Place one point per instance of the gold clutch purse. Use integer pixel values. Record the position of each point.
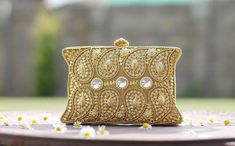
(122, 84)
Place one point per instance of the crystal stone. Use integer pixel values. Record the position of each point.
(122, 82)
(96, 83)
(146, 82)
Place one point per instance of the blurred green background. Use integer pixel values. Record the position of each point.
(59, 103)
(33, 32)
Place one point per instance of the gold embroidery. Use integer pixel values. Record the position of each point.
(159, 67)
(122, 84)
(121, 42)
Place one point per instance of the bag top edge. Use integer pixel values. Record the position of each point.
(84, 47)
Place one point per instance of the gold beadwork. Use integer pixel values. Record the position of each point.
(121, 42)
(122, 84)
(134, 64)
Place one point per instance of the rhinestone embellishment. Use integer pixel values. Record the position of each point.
(146, 82)
(96, 83)
(122, 82)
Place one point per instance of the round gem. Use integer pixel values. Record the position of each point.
(122, 82)
(146, 82)
(96, 83)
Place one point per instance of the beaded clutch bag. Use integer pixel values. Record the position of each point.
(122, 84)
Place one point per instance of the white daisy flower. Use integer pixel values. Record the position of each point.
(77, 124)
(102, 131)
(46, 117)
(146, 126)
(3, 120)
(20, 119)
(211, 119)
(227, 122)
(34, 120)
(188, 120)
(59, 128)
(87, 132)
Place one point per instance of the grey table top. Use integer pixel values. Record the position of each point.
(195, 133)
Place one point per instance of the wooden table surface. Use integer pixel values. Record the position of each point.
(125, 135)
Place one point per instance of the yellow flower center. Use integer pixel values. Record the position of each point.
(226, 122)
(45, 118)
(145, 125)
(20, 118)
(78, 125)
(102, 131)
(58, 129)
(2, 118)
(212, 120)
(87, 134)
(188, 120)
(34, 121)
